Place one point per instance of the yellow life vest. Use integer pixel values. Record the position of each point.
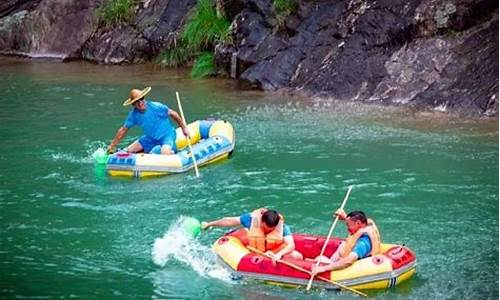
(261, 241)
(374, 235)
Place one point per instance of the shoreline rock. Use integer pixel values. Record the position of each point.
(437, 55)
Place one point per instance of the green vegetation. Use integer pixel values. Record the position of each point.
(285, 7)
(116, 12)
(203, 31)
(206, 28)
(175, 57)
(204, 65)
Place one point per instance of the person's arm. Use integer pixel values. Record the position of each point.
(288, 247)
(340, 213)
(224, 222)
(342, 263)
(122, 131)
(174, 115)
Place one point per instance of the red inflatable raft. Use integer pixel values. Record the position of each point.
(396, 263)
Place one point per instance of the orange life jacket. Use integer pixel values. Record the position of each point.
(261, 241)
(374, 235)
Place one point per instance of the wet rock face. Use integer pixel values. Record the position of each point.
(45, 28)
(70, 29)
(10, 7)
(424, 53)
(118, 45)
(430, 54)
(156, 26)
(469, 80)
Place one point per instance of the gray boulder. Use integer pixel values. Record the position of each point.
(429, 54)
(46, 28)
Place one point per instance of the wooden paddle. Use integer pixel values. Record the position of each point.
(188, 138)
(329, 234)
(294, 266)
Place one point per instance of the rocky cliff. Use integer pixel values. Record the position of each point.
(71, 29)
(429, 54)
(44, 28)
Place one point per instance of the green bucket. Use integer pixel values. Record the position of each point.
(191, 226)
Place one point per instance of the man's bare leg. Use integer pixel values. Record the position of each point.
(294, 255)
(135, 147)
(166, 150)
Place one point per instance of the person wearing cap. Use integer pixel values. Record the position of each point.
(153, 117)
(363, 241)
(266, 231)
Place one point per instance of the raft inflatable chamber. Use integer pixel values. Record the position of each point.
(395, 265)
(211, 141)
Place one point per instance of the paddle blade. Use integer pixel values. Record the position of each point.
(191, 226)
(100, 156)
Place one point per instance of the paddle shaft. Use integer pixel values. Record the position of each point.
(188, 138)
(294, 266)
(329, 234)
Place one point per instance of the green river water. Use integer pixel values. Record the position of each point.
(69, 231)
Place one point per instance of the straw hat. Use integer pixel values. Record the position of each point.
(135, 95)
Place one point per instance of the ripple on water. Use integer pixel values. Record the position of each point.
(50, 176)
(67, 157)
(107, 208)
(389, 195)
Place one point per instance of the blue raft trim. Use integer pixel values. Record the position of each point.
(127, 160)
(205, 150)
(205, 128)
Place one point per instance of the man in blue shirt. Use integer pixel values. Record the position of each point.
(153, 118)
(363, 241)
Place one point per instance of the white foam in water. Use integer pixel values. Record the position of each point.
(96, 148)
(99, 155)
(70, 158)
(175, 244)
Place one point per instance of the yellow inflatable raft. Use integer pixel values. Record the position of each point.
(211, 141)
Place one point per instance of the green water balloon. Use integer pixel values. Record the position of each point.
(191, 226)
(100, 156)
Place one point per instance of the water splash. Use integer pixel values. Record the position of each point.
(100, 156)
(66, 157)
(94, 150)
(176, 244)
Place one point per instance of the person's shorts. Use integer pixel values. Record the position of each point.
(150, 145)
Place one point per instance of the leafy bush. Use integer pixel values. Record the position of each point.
(175, 57)
(202, 32)
(116, 12)
(206, 28)
(204, 65)
(285, 7)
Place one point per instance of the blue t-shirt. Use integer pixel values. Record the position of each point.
(154, 121)
(363, 246)
(246, 221)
